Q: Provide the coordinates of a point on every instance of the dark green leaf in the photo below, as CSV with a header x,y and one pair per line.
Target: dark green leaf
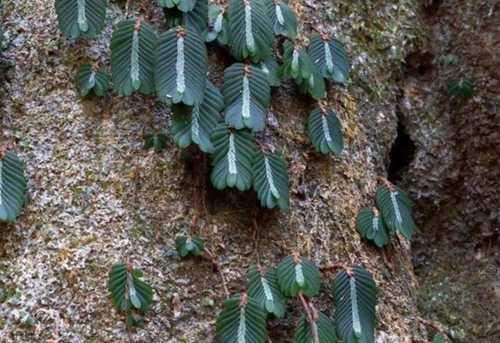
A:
x,y
463,88
271,68
331,58
371,226
85,18
182,5
156,141
189,246
297,274
325,131
270,180
88,80
12,187
283,20
323,327
216,22
127,289
395,207
264,290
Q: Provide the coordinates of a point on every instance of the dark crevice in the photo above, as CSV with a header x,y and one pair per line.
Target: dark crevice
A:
x,y
401,155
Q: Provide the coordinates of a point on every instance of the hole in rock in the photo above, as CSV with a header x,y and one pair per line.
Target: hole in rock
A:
x,y
401,155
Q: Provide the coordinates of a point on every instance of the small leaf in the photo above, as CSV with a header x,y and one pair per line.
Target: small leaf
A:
x,y
463,88
322,325
158,142
81,18
193,246
182,5
216,22
371,226
438,338
241,321
12,187
331,58
271,68
283,20
297,274
264,290
88,80
395,207
128,290
355,300
270,177
325,131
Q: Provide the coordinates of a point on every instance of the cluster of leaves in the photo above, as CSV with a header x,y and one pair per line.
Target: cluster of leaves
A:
x,y
174,66
392,214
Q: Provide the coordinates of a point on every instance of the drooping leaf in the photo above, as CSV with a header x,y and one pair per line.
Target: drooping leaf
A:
x,y
217,23
355,300
264,290
298,65
323,327
88,80
331,58
325,131
283,20
250,30
12,187
132,57
298,274
371,226
81,18
233,154
181,66
182,5
158,142
127,289
193,246
270,180
197,125
241,321
247,95
395,207
271,68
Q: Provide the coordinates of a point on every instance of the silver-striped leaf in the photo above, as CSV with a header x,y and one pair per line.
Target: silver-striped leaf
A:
x,y
12,187
197,126
250,30
88,80
186,246
331,58
241,321
217,22
325,131
263,288
181,66
181,5
81,18
247,95
395,207
371,226
355,300
132,57
270,180
271,68
128,290
298,274
234,151
283,19
322,326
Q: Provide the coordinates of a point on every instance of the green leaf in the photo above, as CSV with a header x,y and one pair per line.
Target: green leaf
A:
x,y
396,210
283,20
355,301
233,155
189,246
182,5
325,131
132,57
197,125
264,290
371,226
331,58
181,66
217,22
438,338
81,18
322,325
298,65
127,289
88,80
247,95
270,180
12,187
196,19
156,141
271,68
241,321
250,30
463,88
297,274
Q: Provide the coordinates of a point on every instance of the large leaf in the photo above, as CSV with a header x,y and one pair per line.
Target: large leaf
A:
x,y
181,66
355,300
233,155
88,80
132,57
182,5
371,226
197,126
396,210
325,131
297,274
85,18
270,180
263,288
250,30
241,321
247,95
283,20
331,58
189,246
271,68
127,289
322,326
12,187
298,65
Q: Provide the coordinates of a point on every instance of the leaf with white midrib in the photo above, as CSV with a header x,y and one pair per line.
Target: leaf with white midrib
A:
x,y
127,289
12,187
323,326
81,18
371,226
298,274
325,131
264,290
283,19
395,207
331,58
271,180
88,80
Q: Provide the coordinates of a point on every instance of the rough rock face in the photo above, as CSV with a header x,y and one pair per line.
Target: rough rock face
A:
x,y
97,197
